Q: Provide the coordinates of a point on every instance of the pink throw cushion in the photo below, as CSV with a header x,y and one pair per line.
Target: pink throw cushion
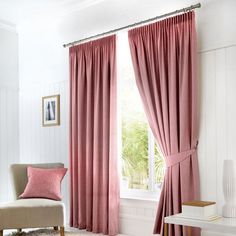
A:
x,y
44,183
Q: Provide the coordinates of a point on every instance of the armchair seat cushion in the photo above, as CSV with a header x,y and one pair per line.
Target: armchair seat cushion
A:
x,y
31,213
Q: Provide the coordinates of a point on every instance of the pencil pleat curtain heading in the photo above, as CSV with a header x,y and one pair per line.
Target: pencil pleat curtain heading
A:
x,y
94,181
164,59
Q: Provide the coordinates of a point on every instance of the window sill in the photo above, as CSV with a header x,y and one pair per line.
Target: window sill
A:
x,y
139,199
140,195
134,203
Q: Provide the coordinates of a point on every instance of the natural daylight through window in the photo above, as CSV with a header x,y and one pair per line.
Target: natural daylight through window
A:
x,y
142,166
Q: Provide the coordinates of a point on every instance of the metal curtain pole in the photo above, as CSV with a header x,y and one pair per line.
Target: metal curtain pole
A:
x,y
186,9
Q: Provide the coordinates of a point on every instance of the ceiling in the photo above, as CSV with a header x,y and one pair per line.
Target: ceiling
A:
x,y
13,11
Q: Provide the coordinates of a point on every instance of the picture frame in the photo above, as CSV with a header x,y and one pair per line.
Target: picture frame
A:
x,y
51,110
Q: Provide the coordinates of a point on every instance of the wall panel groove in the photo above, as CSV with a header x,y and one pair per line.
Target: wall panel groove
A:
x,y
9,139
217,119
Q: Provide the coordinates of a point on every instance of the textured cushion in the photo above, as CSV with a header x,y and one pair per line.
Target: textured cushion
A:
x,y
44,183
27,213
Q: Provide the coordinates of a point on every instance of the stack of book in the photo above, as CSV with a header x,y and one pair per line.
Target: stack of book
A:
x,y
201,210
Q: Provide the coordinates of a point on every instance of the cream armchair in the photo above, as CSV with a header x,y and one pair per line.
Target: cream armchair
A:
x,y
31,213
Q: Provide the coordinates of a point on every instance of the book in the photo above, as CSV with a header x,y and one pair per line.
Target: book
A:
x,y
212,218
199,210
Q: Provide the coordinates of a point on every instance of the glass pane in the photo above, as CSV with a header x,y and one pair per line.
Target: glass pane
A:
x,y
135,153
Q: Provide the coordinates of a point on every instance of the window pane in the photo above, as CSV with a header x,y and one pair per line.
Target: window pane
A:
x,y
134,136
135,153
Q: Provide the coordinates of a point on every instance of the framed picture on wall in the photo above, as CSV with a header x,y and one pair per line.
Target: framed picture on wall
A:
x,y
51,110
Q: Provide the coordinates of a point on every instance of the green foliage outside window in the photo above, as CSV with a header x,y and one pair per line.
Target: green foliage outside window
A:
x,y
135,153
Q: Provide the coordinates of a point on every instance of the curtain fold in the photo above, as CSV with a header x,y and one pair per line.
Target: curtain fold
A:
x,y
94,200
164,59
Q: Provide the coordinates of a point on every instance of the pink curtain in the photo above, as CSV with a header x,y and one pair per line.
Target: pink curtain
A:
x,y
93,152
164,59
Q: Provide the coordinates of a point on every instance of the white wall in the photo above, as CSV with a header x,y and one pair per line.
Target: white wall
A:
x,y
8,57
9,107
44,144
218,115
44,71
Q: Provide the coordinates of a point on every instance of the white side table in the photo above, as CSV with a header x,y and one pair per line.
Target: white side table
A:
x,y
224,225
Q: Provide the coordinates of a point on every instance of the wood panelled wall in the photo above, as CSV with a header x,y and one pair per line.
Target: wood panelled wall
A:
x,y
40,144
217,119
9,138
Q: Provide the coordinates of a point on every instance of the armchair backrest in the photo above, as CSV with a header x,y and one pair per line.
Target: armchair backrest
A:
x,y
19,175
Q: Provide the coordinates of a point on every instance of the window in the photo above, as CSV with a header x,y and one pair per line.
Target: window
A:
x,y
142,166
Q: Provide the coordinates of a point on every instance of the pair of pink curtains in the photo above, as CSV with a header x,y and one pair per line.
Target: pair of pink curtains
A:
x,y
164,60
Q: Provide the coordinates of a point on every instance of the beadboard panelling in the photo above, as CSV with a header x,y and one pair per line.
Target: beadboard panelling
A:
x,y
9,139
137,217
221,121
40,144
231,100
8,59
217,119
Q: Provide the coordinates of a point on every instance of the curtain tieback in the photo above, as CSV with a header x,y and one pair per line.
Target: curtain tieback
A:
x,y
174,159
